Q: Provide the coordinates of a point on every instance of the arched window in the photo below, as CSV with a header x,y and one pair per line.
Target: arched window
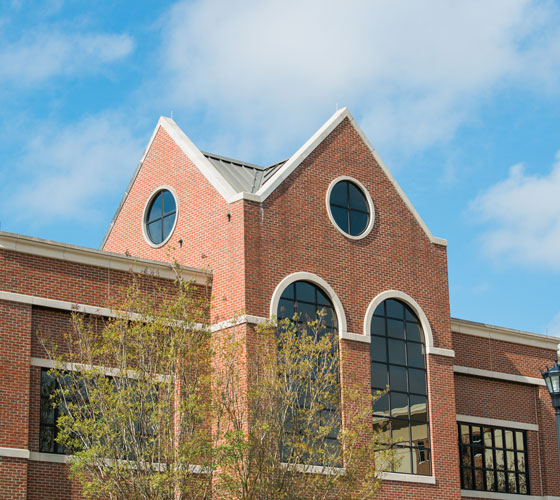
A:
x,y
307,300
398,361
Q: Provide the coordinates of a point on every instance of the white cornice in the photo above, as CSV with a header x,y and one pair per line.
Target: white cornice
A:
x,y
98,258
504,334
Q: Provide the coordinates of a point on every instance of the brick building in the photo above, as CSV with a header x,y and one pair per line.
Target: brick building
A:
x,y
329,227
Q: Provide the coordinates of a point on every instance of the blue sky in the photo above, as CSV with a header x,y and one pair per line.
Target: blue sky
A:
x,y
461,100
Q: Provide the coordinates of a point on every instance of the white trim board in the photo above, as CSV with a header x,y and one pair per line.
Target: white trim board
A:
x,y
14,453
314,141
407,478
504,334
98,258
509,377
470,419
492,495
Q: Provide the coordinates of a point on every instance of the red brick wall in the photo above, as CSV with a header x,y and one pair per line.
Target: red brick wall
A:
x,y
210,240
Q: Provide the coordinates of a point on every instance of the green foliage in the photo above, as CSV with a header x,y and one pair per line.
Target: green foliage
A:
x,y
155,407
136,412
289,430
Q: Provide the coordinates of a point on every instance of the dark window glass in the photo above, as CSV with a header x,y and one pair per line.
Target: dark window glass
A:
x,y
49,415
493,459
161,216
403,366
349,208
309,302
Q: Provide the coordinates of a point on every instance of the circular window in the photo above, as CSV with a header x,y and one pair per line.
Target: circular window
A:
x,y
161,216
350,207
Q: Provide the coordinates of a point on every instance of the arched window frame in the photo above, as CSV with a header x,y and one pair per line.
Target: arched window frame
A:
x,y
407,299
316,280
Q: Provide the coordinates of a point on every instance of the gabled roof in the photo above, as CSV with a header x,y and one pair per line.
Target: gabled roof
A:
x,y
243,177
236,180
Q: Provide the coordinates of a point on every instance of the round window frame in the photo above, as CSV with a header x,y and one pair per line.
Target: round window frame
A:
x,y
148,204
369,200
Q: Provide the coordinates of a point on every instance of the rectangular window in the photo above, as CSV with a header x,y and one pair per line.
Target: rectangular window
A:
x,y
49,415
493,459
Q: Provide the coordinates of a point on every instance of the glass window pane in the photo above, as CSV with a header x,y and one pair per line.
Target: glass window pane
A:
x,y
510,460
155,209
288,292
498,438
307,312
168,225
357,199
421,461
417,380
410,315
403,459
478,479
464,436
508,439
378,349
381,405
397,352
322,299
285,309
413,332
466,455
416,354
512,483
399,405
339,194
521,462
168,202
378,326
419,432
488,458
418,408
400,431
501,482
380,309
523,484
397,378
395,309
378,375
395,328
154,231
358,222
519,442
466,478
490,480
305,292
340,216
500,460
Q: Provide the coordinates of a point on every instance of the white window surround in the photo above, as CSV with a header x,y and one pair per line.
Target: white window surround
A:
x,y
154,193
371,207
407,299
321,283
470,419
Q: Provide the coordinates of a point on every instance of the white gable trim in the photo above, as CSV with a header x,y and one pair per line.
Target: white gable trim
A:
x,y
196,156
231,196
302,153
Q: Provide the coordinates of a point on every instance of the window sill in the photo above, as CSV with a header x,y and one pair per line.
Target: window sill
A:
x,y
407,478
315,469
503,496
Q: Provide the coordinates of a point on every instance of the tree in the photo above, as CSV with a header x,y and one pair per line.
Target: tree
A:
x,y
292,432
133,395
155,407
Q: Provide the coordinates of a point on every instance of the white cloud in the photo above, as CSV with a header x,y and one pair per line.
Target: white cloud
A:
x,y
525,213
43,55
67,172
412,75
